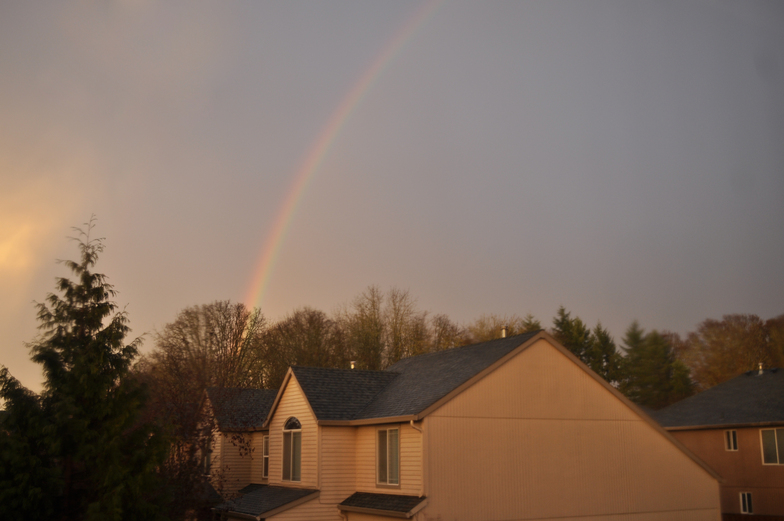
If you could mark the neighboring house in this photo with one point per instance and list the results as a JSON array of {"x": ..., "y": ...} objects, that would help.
[
  {"x": 515, "y": 428},
  {"x": 737, "y": 428},
  {"x": 234, "y": 416}
]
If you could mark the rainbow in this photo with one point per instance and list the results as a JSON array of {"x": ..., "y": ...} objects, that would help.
[{"x": 318, "y": 151}]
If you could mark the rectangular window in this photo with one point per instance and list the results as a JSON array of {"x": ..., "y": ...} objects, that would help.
[
  {"x": 265, "y": 457},
  {"x": 772, "y": 446},
  {"x": 388, "y": 456},
  {"x": 731, "y": 440},
  {"x": 745, "y": 503},
  {"x": 292, "y": 455}
]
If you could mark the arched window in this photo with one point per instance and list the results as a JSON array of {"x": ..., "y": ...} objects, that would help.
[{"x": 292, "y": 449}]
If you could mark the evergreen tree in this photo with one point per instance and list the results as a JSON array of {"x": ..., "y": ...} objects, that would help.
[
  {"x": 573, "y": 334},
  {"x": 79, "y": 450},
  {"x": 604, "y": 357},
  {"x": 651, "y": 374}
]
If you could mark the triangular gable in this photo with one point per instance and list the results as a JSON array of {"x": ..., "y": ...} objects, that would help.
[{"x": 542, "y": 335}]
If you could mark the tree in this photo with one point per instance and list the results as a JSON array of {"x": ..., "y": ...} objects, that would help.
[
  {"x": 488, "y": 327},
  {"x": 651, "y": 375},
  {"x": 573, "y": 334},
  {"x": 364, "y": 327},
  {"x": 306, "y": 337},
  {"x": 79, "y": 449},
  {"x": 211, "y": 345},
  {"x": 722, "y": 349},
  {"x": 604, "y": 358}
]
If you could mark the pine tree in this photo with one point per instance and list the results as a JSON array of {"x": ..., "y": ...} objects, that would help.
[
  {"x": 79, "y": 449},
  {"x": 651, "y": 375}
]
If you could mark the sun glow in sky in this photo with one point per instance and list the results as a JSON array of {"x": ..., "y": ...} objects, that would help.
[{"x": 622, "y": 159}]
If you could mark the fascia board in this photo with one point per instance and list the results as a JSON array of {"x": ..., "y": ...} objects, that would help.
[
  {"x": 265, "y": 425},
  {"x": 367, "y": 421},
  {"x": 724, "y": 426}
]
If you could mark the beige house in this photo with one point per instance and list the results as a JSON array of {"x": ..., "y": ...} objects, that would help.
[{"x": 511, "y": 429}]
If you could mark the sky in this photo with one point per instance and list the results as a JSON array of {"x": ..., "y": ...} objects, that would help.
[{"x": 622, "y": 159}]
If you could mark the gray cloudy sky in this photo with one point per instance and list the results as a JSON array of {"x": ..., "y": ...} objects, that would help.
[{"x": 624, "y": 159}]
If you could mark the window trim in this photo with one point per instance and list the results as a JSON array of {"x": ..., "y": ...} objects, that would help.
[
  {"x": 778, "y": 440},
  {"x": 731, "y": 440},
  {"x": 746, "y": 504},
  {"x": 265, "y": 456},
  {"x": 387, "y": 483},
  {"x": 292, "y": 429}
]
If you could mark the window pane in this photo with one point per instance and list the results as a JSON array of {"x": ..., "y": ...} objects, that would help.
[
  {"x": 287, "y": 456},
  {"x": 734, "y": 440},
  {"x": 780, "y": 436},
  {"x": 769, "y": 446},
  {"x": 265, "y": 446},
  {"x": 727, "y": 440},
  {"x": 748, "y": 503},
  {"x": 296, "y": 456},
  {"x": 743, "y": 508},
  {"x": 393, "y": 462},
  {"x": 265, "y": 470},
  {"x": 382, "y": 456}
]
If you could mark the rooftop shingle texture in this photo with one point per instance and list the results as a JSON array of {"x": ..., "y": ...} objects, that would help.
[
  {"x": 240, "y": 409},
  {"x": 427, "y": 378},
  {"x": 385, "y": 502},
  {"x": 340, "y": 394},
  {"x": 263, "y": 498},
  {"x": 407, "y": 388},
  {"x": 746, "y": 399}
]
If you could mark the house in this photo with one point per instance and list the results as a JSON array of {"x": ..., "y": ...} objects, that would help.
[
  {"x": 514, "y": 428},
  {"x": 234, "y": 417},
  {"x": 737, "y": 428}
]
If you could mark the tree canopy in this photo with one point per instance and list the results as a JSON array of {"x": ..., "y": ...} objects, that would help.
[{"x": 79, "y": 450}]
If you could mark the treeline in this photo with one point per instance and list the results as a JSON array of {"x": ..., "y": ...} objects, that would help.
[
  {"x": 117, "y": 437},
  {"x": 224, "y": 344}
]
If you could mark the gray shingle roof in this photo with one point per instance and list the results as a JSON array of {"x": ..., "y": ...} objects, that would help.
[
  {"x": 750, "y": 398},
  {"x": 263, "y": 498},
  {"x": 381, "y": 502},
  {"x": 240, "y": 409},
  {"x": 406, "y": 388},
  {"x": 340, "y": 394}
]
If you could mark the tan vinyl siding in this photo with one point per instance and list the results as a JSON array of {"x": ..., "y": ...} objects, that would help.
[
  {"x": 293, "y": 403},
  {"x": 234, "y": 471},
  {"x": 410, "y": 461},
  {"x": 539, "y": 438},
  {"x": 338, "y": 463}
]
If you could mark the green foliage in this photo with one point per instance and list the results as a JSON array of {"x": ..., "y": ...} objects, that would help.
[
  {"x": 79, "y": 450},
  {"x": 652, "y": 376},
  {"x": 594, "y": 348}
]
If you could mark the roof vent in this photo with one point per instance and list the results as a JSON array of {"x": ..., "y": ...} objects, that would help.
[
  {"x": 503, "y": 332},
  {"x": 353, "y": 364},
  {"x": 760, "y": 368}
]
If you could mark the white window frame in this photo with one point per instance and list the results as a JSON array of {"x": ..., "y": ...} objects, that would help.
[
  {"x": 746, "y": 505},
  {"x": 731, "y": 440},
  {"x": 778, "y": 443},
  {"x": 292, "y": 437},
  {"x": 386, "y": 454},
  {"x": 265, "y": 457}
]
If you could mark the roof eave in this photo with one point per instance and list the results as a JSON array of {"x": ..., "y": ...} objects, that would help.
[
  {"x": 368, "y": 421},
  {"x": 723, "y": 426},
  {"x": 389, "y": 513}
]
